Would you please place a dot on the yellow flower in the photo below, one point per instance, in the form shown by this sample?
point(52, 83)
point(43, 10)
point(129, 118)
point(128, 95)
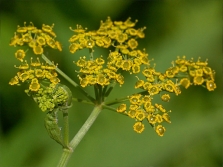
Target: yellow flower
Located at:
point(140, 32)
point(39, 73)
point(126, 65)
point(132, 43)
point(210, 85)
point(99, 42)
point(160, 107)
point(50, 42)
point(132, 113)
point(147, 106)
point(140, 115)
point(32, 43)
point(160, 130)
point(100, 61)
point(89, 43)
point(139, 83)
point(47, 28)
point(131, 31)
point(34, 86)
point(153, 89)
point(27, 37)
point(198, 80)
point(35, 63)
point(129, 23)
point(24, 76)
point(23, 66)
point(135, 68)
point(14, 81)
point(58, 46)
point(41, 40)
point(138, 127)
point(107, 42)
point(165, 97)
point(148, 72)
point(135, 99)
point(183, 68)
point(207, 70)
point(54, 80)
point(185, 82)
point(133, 107)
point(152, 119)
point(169, 86)
point(74, 38)
point(199, 72)
point(146, 98)
point(122, 37)
point(74, 47)
point(166, 117)
point(121, 108)
point(120, 79)
point(20, 54)
point(169, 73)
point(102, 80)
point(159, 118)
point(38, 49)
point(83, 81)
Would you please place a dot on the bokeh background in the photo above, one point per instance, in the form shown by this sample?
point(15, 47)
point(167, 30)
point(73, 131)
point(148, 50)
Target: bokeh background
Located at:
point(174, 28)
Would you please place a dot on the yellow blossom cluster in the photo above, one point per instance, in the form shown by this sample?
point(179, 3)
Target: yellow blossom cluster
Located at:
point(141, 107)
point(122, 36)
point(35, 71)
point(198, 73)
point(118, 34)
point(35, 39)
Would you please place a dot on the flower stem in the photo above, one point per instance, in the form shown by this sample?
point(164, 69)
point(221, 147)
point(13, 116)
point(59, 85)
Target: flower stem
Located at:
point(78, 137)
point(116, 101)
point(82, 101)
point(66, 127)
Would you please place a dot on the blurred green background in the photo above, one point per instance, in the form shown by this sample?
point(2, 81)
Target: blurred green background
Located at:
point(174, 28)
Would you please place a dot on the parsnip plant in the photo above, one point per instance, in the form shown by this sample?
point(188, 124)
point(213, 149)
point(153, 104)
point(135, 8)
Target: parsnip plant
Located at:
point(103, 73)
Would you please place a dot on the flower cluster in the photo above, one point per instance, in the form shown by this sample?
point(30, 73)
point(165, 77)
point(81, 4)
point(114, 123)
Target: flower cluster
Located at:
point(34, 74)
point(35, 71)
point(51, 97)
point(121, 39)
point(141, 106)
point(198, 73)
point(35, 39)
point(126, 57)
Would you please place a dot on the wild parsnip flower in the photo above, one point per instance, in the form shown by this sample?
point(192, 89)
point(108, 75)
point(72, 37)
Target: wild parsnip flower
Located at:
point(125, 56)
point(41, 77)
point(34, 73)
point(193, 73)
point(107, 70)
point(35, 38)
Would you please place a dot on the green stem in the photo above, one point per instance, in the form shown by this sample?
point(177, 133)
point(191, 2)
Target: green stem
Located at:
point(116, 101)
point(82, 101)
point(78, 137)
point(112, 109)
point(96, 92)
point(69, 79)
point(66, 127)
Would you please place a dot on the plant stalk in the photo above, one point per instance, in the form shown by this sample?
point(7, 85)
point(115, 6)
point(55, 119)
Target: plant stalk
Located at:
point(78, 137)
